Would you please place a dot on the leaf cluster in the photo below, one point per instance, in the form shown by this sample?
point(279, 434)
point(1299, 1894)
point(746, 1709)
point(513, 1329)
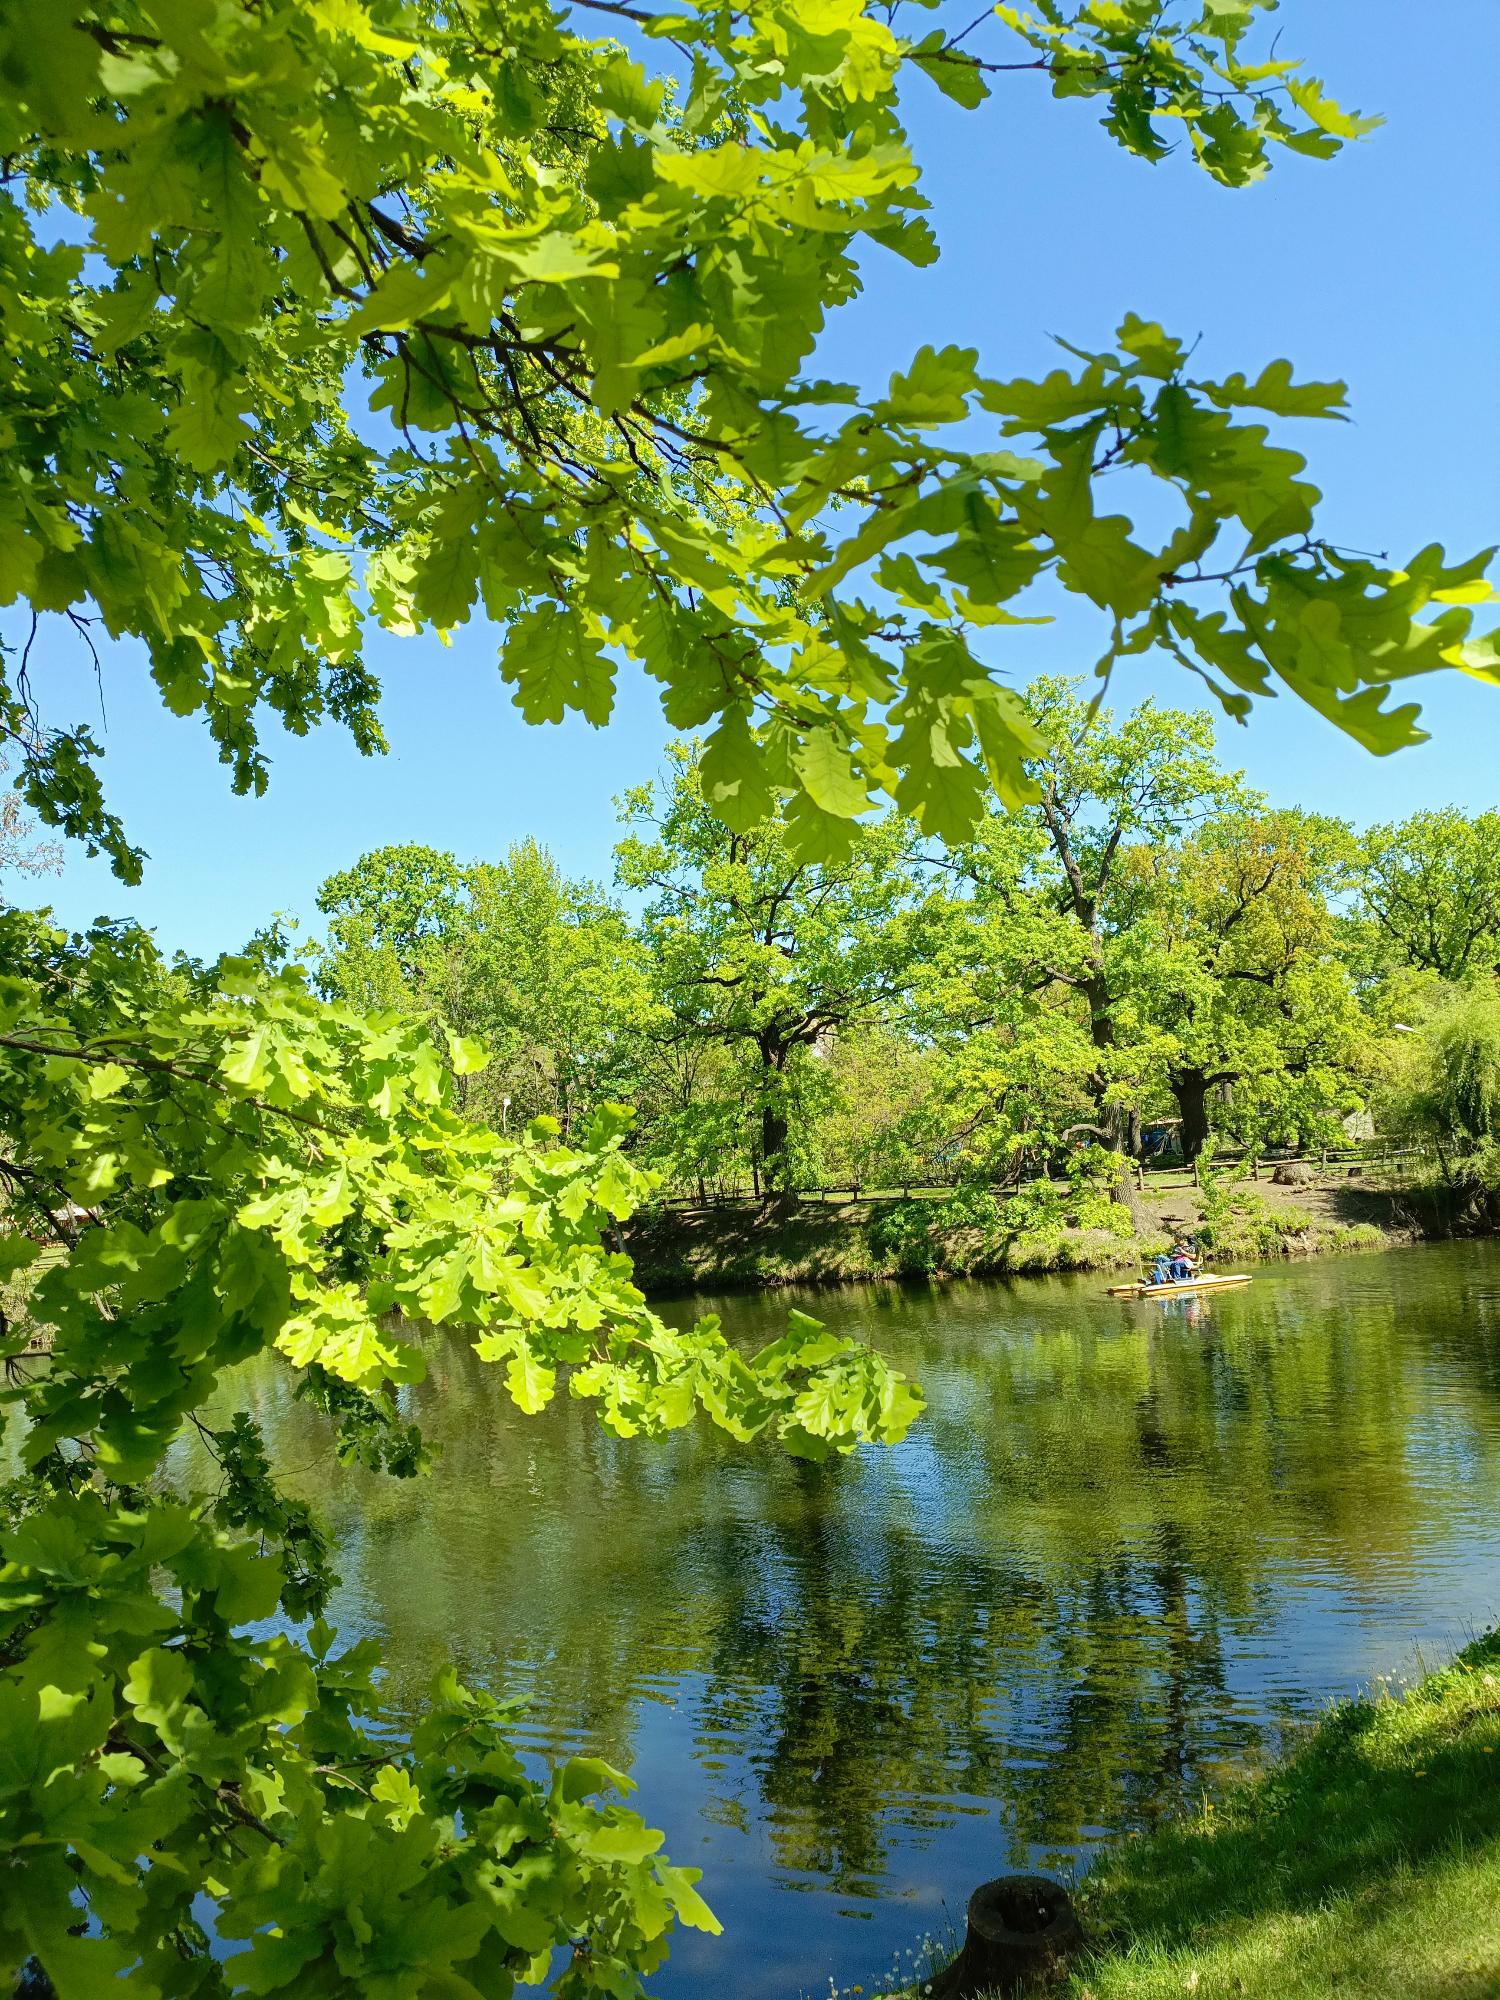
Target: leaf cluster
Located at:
point(204, 1166)
point(386, 313)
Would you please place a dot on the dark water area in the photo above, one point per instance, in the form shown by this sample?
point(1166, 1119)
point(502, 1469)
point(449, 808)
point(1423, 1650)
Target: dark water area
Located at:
point(1126, 1545)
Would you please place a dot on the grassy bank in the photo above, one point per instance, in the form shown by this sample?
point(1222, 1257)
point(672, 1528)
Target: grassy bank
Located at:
point(1364, 1866)
point(1367, 1864)
point(748, 1244)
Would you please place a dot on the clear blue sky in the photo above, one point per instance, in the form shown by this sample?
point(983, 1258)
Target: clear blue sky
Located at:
point(1379, 267)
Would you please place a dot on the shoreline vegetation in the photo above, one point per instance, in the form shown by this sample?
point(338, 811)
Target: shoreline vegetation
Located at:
point(749, 1244)
point(1364, 1861)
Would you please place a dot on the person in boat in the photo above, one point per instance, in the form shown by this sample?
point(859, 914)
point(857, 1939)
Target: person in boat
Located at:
point(1161, 1270)
point(1183, 1263)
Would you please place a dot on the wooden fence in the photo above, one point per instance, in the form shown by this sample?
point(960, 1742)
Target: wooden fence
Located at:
point(1163, 1177)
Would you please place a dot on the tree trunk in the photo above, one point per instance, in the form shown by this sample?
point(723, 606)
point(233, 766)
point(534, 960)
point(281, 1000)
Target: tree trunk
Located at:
point(1191, 1087)
point(1118, 1124)
point(774, 1130)
point(1130, 1131)
point(1022, 1930)
point(1129, 1194)
point(1121, 1121)
point(1128, 1191)
point(773, 1138)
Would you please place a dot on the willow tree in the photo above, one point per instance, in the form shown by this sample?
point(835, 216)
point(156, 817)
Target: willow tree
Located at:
point(1447, 1090)
point(21, 853)
point(317, 314)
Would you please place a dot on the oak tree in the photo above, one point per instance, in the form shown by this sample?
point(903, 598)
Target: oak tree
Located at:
point(322, 315)
point(1237, 974)
point(757, 950)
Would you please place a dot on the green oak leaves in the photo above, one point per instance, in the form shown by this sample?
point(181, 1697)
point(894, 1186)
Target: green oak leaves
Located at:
point(197, 1168)
point(330, 313)
point(321, 318)
point(1161, 72)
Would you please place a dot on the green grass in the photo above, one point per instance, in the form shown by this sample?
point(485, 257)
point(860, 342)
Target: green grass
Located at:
point(1366, 1865)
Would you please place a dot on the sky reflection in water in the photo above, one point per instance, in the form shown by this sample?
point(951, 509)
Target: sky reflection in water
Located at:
point(1124, 1546)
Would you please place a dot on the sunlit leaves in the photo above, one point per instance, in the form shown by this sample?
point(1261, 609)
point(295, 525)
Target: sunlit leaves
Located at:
point(1164, 70)
point(399, 313)
point(557, 664)
point(733, 774)
point(323, 1195)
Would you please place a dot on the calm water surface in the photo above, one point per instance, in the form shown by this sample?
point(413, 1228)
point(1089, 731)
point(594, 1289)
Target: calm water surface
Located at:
point(1124, 1546)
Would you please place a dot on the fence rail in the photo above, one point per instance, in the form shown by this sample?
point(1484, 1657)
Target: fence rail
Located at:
point(1164, 1176)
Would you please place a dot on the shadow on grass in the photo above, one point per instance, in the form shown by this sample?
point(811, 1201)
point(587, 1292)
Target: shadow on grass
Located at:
point(1389, 1807)
point(751, 1243)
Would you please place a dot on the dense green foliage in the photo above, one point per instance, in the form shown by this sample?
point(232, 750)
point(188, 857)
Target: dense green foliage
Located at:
point(317, 314)
point(1446, 1089)
point(1148, 950)
point(231, 1166)
point(759, 954)
point(330, 311)
point(544, 971)
point(1430, 891)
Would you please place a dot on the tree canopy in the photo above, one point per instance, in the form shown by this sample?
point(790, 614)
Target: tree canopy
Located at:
point(1150, 944)
point(321, 315)
point(391, 919)
point(1237, 970)
point(1430, 891)
point(544, 971)
point(758, 951)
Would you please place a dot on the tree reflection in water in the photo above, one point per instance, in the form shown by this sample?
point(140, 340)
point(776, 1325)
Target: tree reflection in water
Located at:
point(1125, 1543)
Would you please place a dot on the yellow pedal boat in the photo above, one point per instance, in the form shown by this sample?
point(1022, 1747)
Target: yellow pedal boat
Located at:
point(1211, 1281)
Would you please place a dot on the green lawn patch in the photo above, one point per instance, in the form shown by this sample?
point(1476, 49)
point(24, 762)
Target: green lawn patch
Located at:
point(1367, 1864)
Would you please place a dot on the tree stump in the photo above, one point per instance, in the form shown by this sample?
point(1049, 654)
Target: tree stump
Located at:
point(1022, 1930)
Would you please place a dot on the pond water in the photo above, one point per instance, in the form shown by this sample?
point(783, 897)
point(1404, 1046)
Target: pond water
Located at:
point(1127, 1543)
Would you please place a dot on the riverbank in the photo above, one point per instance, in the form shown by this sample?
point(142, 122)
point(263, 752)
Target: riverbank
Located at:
point(1367, 1863)
point(821, 1241)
